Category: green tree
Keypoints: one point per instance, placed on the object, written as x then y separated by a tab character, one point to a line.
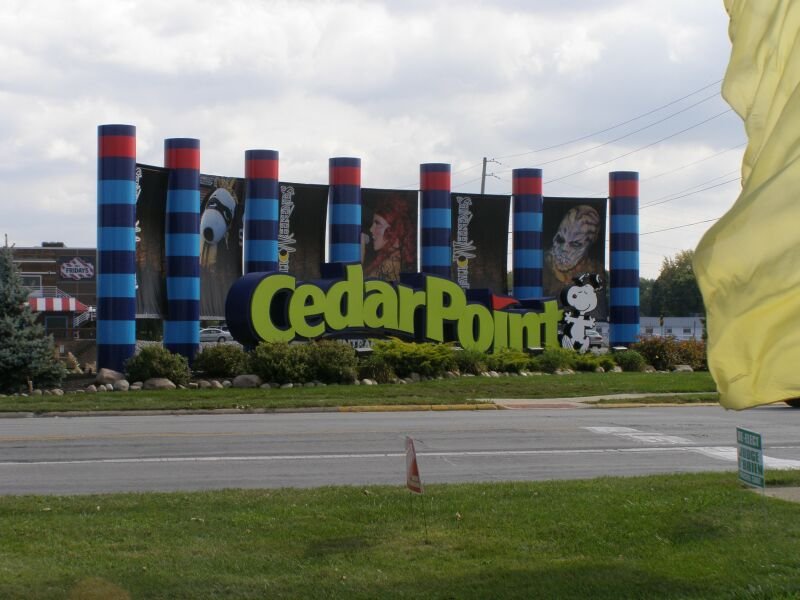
26	353
646	297
675	292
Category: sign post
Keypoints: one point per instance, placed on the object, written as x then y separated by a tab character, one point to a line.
750	453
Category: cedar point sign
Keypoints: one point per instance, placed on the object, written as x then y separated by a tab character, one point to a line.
275	307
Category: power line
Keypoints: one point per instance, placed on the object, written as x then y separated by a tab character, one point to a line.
703	122
691	164
670	199
578	139
679	226
622	137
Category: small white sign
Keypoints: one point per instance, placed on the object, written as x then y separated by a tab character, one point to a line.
750	453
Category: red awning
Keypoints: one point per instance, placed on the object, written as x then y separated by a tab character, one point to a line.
57	305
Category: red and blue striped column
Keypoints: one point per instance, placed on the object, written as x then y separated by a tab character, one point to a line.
116	245
526	189
182	326
623	192
435	219
344	235
261	211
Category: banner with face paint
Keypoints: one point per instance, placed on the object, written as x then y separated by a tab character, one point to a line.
480	241
388	233
573	240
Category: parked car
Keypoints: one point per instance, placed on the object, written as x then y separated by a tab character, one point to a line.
595	338
215	334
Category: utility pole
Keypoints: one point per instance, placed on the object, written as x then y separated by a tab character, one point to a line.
483	176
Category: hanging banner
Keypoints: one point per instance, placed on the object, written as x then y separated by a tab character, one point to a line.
573	240
388	233
301	229
151	205
413	480
480	241
221	216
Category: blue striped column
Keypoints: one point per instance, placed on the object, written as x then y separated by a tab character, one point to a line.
526	189
623	197
436	225
116	245
344	236
182	326
261	211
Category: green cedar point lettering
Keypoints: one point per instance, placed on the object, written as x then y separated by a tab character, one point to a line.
374	304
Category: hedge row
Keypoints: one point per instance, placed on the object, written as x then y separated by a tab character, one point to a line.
334	362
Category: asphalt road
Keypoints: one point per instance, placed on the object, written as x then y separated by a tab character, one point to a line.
82	455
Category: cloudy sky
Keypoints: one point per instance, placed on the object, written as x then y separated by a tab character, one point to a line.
576	87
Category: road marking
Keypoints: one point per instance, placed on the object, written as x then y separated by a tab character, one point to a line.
727	453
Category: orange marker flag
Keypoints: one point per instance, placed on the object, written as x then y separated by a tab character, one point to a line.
413	481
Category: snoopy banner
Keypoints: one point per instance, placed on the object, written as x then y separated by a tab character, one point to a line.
221	215
573	239
301	229
388	233
480	238
151	203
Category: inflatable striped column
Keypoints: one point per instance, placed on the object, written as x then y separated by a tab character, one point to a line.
436	225
116	245
344	239
182	326
526	188
623	192
261	211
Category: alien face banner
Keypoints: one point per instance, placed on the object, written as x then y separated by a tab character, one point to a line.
573	240
388	233
151	204
480	241
301	229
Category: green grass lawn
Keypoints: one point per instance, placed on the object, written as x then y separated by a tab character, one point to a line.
439	392
682	536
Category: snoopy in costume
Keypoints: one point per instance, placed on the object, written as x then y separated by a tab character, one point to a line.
578	300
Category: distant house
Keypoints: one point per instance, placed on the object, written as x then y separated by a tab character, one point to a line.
681	328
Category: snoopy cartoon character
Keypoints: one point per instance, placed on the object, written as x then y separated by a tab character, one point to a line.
578	300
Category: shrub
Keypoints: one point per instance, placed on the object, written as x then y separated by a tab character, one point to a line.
606	361
376	367
331	362
587	362
508	361
221	360
553	359
470	361
630	360
661	352
279	362
404	358
693	353
157	361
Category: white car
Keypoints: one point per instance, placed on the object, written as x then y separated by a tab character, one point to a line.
215	334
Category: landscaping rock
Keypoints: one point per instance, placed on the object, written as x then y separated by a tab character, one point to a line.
650	369
366	381
226	384
415	377
204	384
682	369
135	387
564	372
193	385
57	392
287	386
216	385
616	369
36	392
108	376
247	381
309	384
266	386
92	389
122	385
599	369
159	383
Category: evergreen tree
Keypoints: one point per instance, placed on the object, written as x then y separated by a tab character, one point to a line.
26	353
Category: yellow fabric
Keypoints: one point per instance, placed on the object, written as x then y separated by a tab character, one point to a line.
748	263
